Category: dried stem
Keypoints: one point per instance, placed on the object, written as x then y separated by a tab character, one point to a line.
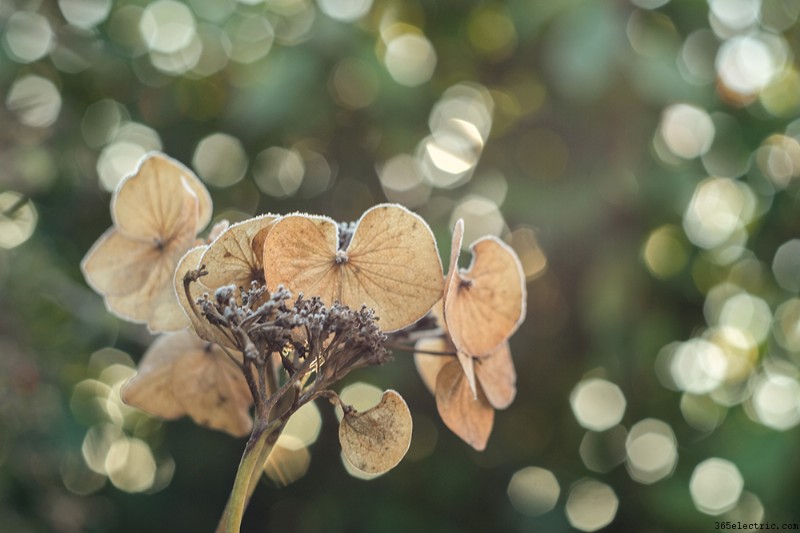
406	348
230	355
251	384
188	278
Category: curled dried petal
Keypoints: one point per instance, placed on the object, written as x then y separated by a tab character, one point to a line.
375	440
190	262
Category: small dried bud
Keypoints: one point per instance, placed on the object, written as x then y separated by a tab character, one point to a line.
224	294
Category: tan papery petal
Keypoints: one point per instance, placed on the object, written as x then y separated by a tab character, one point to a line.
151	388
191	261
257	242
148	202
213	390
166	313
391	264
147	294
113	265
485	304
375	440
300	254
394	266
232	258
469	418
495	372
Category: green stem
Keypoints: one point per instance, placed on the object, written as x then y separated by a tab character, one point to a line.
250	467
269	443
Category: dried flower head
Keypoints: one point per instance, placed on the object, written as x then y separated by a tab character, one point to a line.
157	212
484	304
482	307
388	262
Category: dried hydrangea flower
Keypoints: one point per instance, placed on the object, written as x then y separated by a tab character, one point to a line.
282	308
157	212
482	307
484	304
389	262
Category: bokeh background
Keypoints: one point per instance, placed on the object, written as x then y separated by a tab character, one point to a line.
640	155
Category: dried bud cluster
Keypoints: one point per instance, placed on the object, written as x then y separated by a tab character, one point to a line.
303	332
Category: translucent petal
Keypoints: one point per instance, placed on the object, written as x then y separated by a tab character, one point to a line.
495	372
151	388
148	202
300	254
191	261
235	257
213	390
428	366
183	374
